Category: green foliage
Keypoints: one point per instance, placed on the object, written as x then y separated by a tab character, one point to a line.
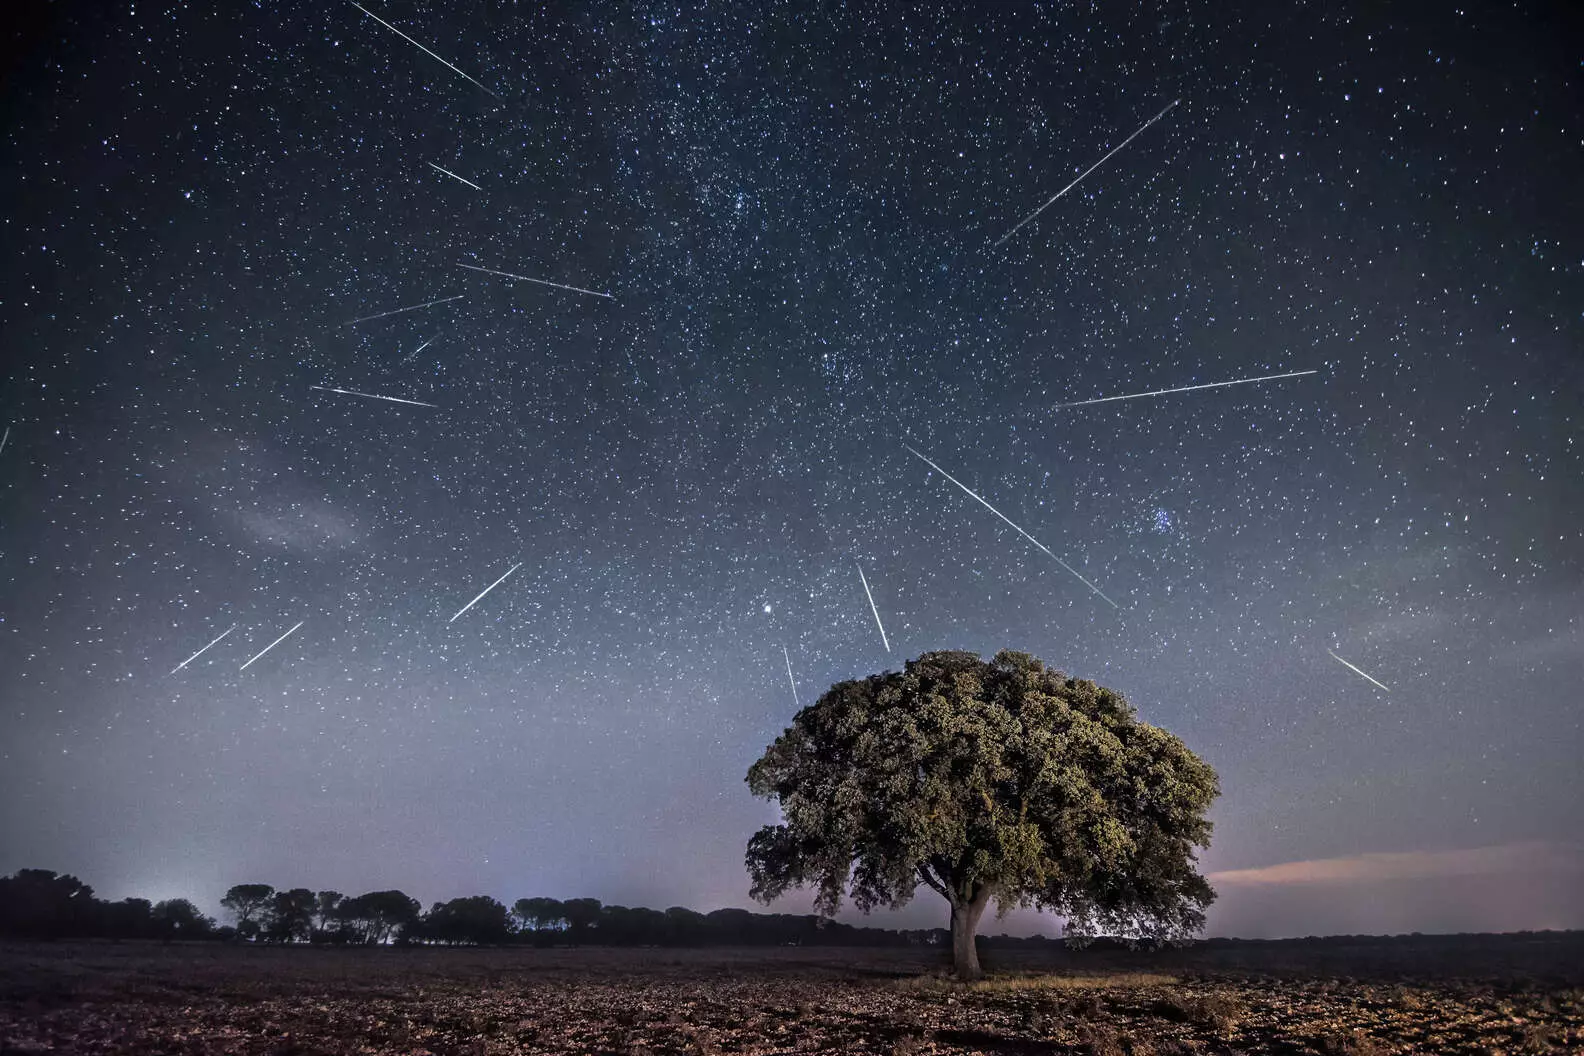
1002	779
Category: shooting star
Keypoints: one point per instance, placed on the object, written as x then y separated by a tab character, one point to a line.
1086	172
409	357
542	282
454	176
413	42
4	438
974	495
1188	388
485	591
409	308
272	645
371	396
1355	670
202	651
864	580
788	657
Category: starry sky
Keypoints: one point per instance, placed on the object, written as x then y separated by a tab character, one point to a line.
774	232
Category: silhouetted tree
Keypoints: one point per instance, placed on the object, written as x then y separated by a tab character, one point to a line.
582	915
999	780
478	920
40	903
630	926
380	916
539	914
248	902
327	909
130	918
684	927
177	918
290	916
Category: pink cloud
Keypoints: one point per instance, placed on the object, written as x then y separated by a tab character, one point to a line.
1527	858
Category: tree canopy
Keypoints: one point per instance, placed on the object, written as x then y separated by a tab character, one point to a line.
1001	780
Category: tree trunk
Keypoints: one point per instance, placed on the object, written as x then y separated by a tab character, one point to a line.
964	925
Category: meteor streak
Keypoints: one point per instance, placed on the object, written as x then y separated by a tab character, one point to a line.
974	495
788	657
1086	172
1188	388
1355	670
454	176
413	42
204	650
372	396
4	438
872	608
409	308
485	591
542	282
409	357
270	646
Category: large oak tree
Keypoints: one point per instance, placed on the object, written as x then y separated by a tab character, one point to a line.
1001	780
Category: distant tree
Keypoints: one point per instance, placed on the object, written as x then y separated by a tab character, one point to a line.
630	926
177	918
40	903
290	916
247	902
478	920
539	914
380	916
1001	780
582	916
130	918
327	909
684	927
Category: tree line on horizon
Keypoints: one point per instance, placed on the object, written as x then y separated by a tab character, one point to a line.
41	904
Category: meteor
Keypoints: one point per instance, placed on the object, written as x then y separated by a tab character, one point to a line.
4	438
872	608
1355	670
371	396
1086	172
542	282
409	357
202	651
409	308
974	495
413	42
270	646
1188	388
485	591
454	176
788	657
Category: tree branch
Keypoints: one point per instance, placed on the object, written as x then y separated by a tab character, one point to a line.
930	879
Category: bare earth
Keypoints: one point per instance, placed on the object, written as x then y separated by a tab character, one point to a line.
1484	996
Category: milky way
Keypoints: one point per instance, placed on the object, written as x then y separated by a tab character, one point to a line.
765	261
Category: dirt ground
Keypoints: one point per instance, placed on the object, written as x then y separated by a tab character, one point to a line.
1504	996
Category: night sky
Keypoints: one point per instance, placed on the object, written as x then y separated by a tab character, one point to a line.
794	214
